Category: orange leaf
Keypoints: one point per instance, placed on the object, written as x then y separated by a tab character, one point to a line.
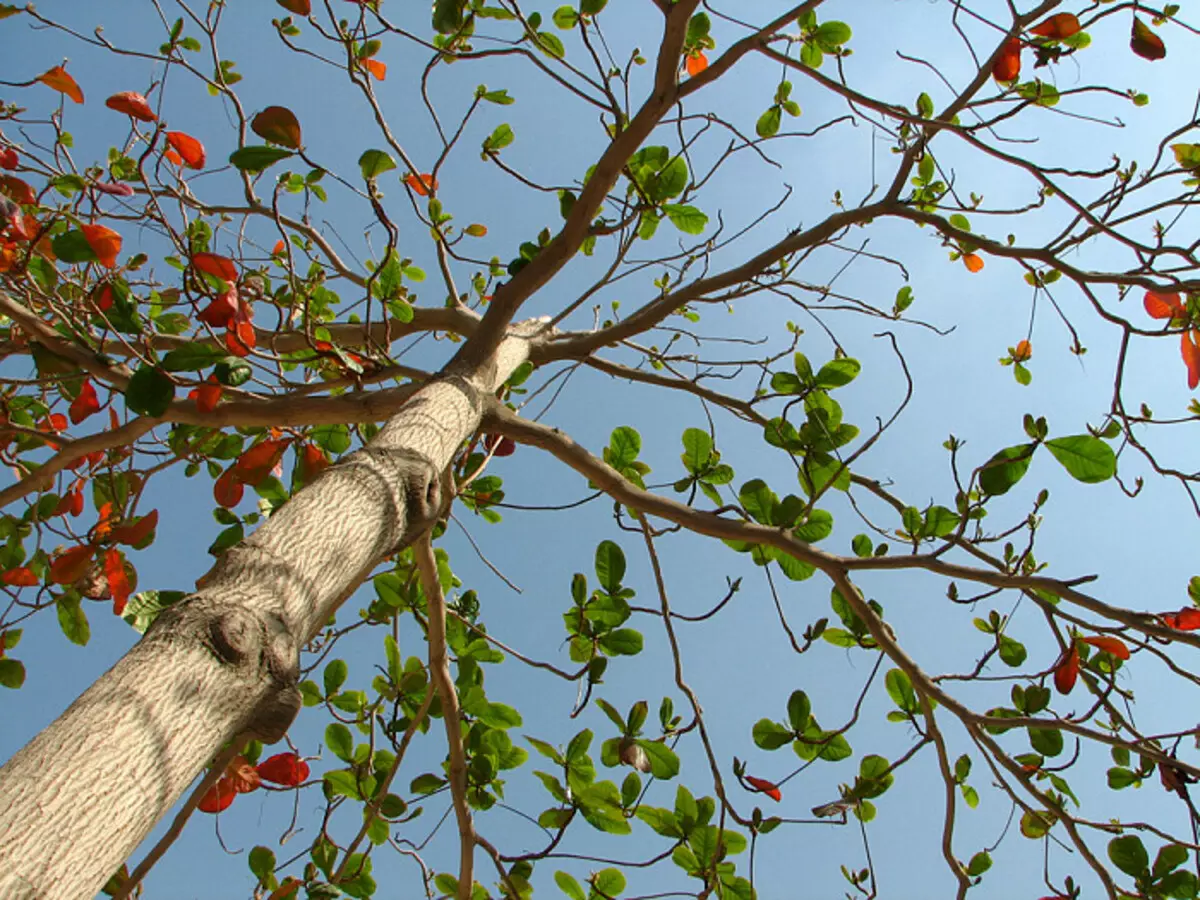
173	157
421	184
190	150
221	311
243	776
287	769
256	463
375	67
1008	64
58	79
767	787
240	338
1191	357
1145	43
85	404
290	885
137	532
22	576
207	396
1111	645
313	461
973	262
1066	671
118	579
71	565
476	230
1022	352
219	266
55	422
696	63
1058	26
278	248
218	797
132	104
278	125
105	243
1162	306
18	190
227	489
104	525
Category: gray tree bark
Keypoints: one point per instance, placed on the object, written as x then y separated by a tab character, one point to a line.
79	798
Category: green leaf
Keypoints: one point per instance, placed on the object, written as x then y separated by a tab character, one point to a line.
448	15
768	123
255	159
12	673
1170	857
817	527
73	620
374	163
799	710
565	17
622	642
150	391
697	450
770	735
610	566
609	882
1005	469
979	863
551	44
569	886
72	247
838	372
687	219
339	741
1012	652
143	607
500	138
192	357
664	764
1128	854
262	863
335	676
900	689
670	182
1046	741
1086	458
831	35
623	447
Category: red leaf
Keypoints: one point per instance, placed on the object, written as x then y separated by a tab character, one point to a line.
256	463
190	150
1066	671
218	266
1145	43
221	311
299	7
71	565
132	104
1008	64
767	787
1191	357
172	157
278	125
85	404
421	184
136	532
696	63
1112	645
240	338
499	445
1058	26
290	885
219	796
1187	619
1162	306
973	262
207	396
58	79
118	579
227	489
22	576
105	243
287	769
375	67
9	158
55	422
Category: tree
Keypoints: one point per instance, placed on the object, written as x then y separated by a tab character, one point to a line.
180	302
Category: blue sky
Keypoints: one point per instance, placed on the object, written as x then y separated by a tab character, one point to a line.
739	663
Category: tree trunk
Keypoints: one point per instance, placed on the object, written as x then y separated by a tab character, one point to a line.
78	799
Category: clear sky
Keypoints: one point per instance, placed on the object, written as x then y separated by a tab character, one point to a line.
739	662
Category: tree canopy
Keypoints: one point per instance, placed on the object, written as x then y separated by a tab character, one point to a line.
667	449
